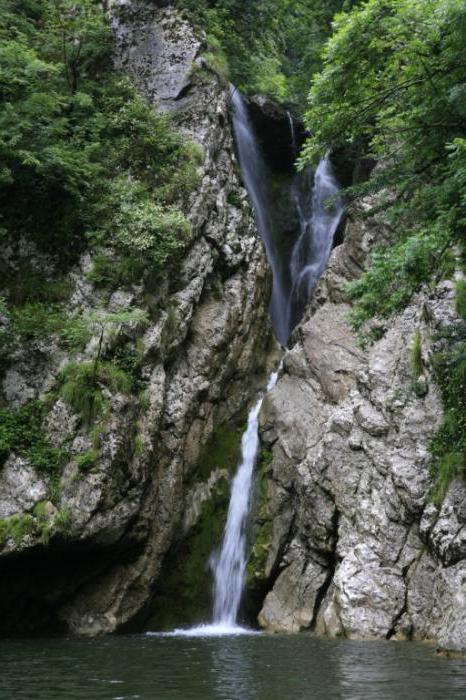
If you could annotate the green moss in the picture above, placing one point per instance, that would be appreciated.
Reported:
(184, 592)
(235, 199)
(261, 534)
(222, 451)
(460, 299)
(416, 355)
(449, 444)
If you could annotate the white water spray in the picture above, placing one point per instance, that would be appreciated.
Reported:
(254, 173)
(230, 567)
(294, 278)
(318, 223)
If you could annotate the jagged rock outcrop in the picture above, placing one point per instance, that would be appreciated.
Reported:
(357, 549)
(102, 543)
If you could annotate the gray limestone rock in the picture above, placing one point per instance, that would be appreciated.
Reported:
(20, 487)
(349, 477)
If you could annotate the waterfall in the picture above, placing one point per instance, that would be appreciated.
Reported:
(293, 282)
(318, 222)
(254, 173)
(230, 566)
(294, 144)
(293, 279)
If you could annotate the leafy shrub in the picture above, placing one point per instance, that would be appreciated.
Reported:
(110, 271)
(127, 359)
(21, 431)
(449, 444)
(30, 287)
(34, 322)
(75, 332)
(395, 273)
(87, 460)
(82, 384)
(73, 131)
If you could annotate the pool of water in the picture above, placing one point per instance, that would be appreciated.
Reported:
(241, 667)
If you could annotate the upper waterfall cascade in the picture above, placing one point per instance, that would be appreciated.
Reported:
(317, 208)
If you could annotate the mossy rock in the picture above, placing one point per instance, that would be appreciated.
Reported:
(184, 591)
(261, 537)
(222, 451)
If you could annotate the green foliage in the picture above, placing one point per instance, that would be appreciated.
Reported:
(395, 273)
(81, 386)
(75, 332)
(110, 271)
(267, 46)
(28, 287)
(449, 444)
(150, 233)
(234, 199)
(392, 88)
(126, 358)
(21, 431)
(75, 133)
(461, 298)
(7, 339)
(38, 523)
(62, 520)
(16, 528)
(87, 460)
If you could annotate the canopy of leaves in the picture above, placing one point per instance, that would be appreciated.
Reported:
(271, 46)
(393, 88)
(72, 130)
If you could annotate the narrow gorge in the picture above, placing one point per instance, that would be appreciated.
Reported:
(225, 441)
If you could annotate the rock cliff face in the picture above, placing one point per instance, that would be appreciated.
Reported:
(355, 548)
(104, 532)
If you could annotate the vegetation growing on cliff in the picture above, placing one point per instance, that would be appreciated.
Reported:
(86, 164)
(267, 46)
(393, 88)
(75, 132)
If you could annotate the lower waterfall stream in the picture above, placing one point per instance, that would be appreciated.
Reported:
(230, 566)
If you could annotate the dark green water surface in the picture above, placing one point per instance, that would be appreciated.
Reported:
(226, 668)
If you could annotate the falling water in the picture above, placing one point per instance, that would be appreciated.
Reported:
(319, 210)
(230, 566)
(317, 226)
(294, 144)
(255, 178)
(293, 279)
